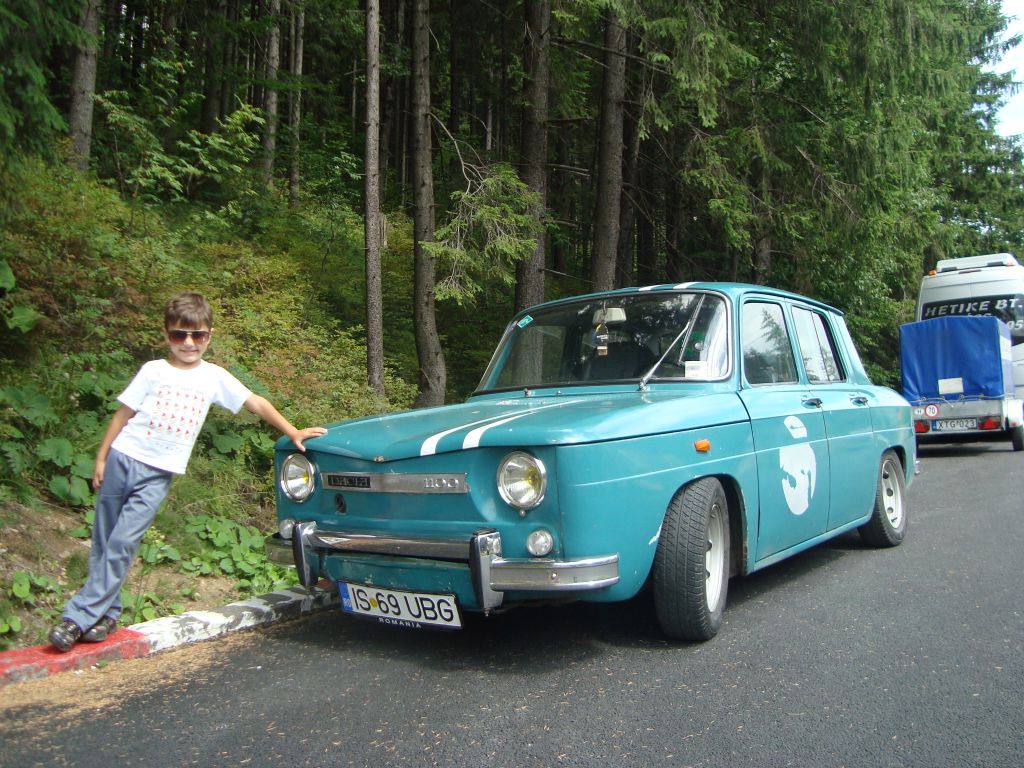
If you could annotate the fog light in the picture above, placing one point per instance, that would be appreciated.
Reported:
(285, 528)
(540, 542)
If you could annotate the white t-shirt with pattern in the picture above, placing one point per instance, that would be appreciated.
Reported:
(170, 407)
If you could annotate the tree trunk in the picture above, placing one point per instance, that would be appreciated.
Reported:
(136, 32)
(626, 248)
(501, 140)
(295, 97)
(454, 73)
(213, 67)
(675, 224)
(392, 99)
(646, 255)
(83, 88)
(762, 260)
(562, 201)
(534, 148)
(270, 94)
(111, 35)
(256, 60)
(164, 38)
(646, 249)
(609, 165)
(763, 246)
(229, 66)
(433, 376)
(354, 99)
(372, 226)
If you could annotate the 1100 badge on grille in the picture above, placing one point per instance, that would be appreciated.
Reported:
(403, 609)
(397, 482)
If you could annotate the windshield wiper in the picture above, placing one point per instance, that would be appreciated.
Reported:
(687, 330)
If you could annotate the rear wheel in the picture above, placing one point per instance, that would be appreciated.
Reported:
(1017, 438)
(888, 523)
(691, 566)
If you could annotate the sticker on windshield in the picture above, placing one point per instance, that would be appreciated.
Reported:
(524, 322)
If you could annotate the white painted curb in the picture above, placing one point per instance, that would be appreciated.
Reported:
(160, 634)
(190, 627)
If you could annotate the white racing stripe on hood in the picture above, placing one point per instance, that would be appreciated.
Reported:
(429, 447)
(473, 438)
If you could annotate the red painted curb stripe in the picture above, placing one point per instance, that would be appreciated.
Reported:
(43, 660)
(127, 643)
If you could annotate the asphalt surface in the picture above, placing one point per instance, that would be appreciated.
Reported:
(842, 656)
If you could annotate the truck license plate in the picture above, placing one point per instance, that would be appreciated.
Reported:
(953, 425)
(402, 609)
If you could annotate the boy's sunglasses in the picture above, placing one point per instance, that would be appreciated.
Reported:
(178, 335)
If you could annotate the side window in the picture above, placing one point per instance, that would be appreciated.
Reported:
(817, 347)
(856, 366)
(767, 351)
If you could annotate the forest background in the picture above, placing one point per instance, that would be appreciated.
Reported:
(368, 191)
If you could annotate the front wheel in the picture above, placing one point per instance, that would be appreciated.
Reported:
(691, 565)
(888, 523)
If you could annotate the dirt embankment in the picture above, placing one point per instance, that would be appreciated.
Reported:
(38, 541)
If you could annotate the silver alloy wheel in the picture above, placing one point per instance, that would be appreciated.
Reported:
(892, 492)
(714, 558)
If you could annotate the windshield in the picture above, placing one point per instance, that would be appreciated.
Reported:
(614, 339)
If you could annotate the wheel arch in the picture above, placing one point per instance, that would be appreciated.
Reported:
(737, 519)
(901, 454)
(737, 524)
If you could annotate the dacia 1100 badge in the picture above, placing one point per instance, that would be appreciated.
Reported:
(670, 437)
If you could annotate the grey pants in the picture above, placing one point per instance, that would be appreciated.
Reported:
(126, 505)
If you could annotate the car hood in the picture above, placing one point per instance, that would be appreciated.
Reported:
(562, 419)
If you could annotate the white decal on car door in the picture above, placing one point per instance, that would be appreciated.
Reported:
(799, 468)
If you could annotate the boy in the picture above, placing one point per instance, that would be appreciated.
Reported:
(149, 440)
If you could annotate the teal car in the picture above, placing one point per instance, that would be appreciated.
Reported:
(667, 437)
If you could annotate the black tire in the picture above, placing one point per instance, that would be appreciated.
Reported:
(1017, 438)
(691, 565)
(888, 523)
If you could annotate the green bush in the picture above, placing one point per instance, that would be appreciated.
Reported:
(83, 281)
(26, 592)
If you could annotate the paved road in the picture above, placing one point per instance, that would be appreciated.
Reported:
(843, 656)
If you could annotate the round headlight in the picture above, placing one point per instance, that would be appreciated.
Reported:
(298, 477)
(522, 480)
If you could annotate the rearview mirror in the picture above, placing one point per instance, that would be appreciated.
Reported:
(608, 315)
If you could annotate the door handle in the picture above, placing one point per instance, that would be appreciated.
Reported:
(812, 402)
(858, 400)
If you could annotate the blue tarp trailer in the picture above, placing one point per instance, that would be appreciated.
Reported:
(957, 373)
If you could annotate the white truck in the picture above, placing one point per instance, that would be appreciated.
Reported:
(967, 378)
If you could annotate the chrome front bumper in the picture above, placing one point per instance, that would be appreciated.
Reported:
(492, 574)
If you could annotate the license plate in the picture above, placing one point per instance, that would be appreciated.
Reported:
(952, 425)
(402, 609)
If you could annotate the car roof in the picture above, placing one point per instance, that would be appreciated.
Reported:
(734, 291)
